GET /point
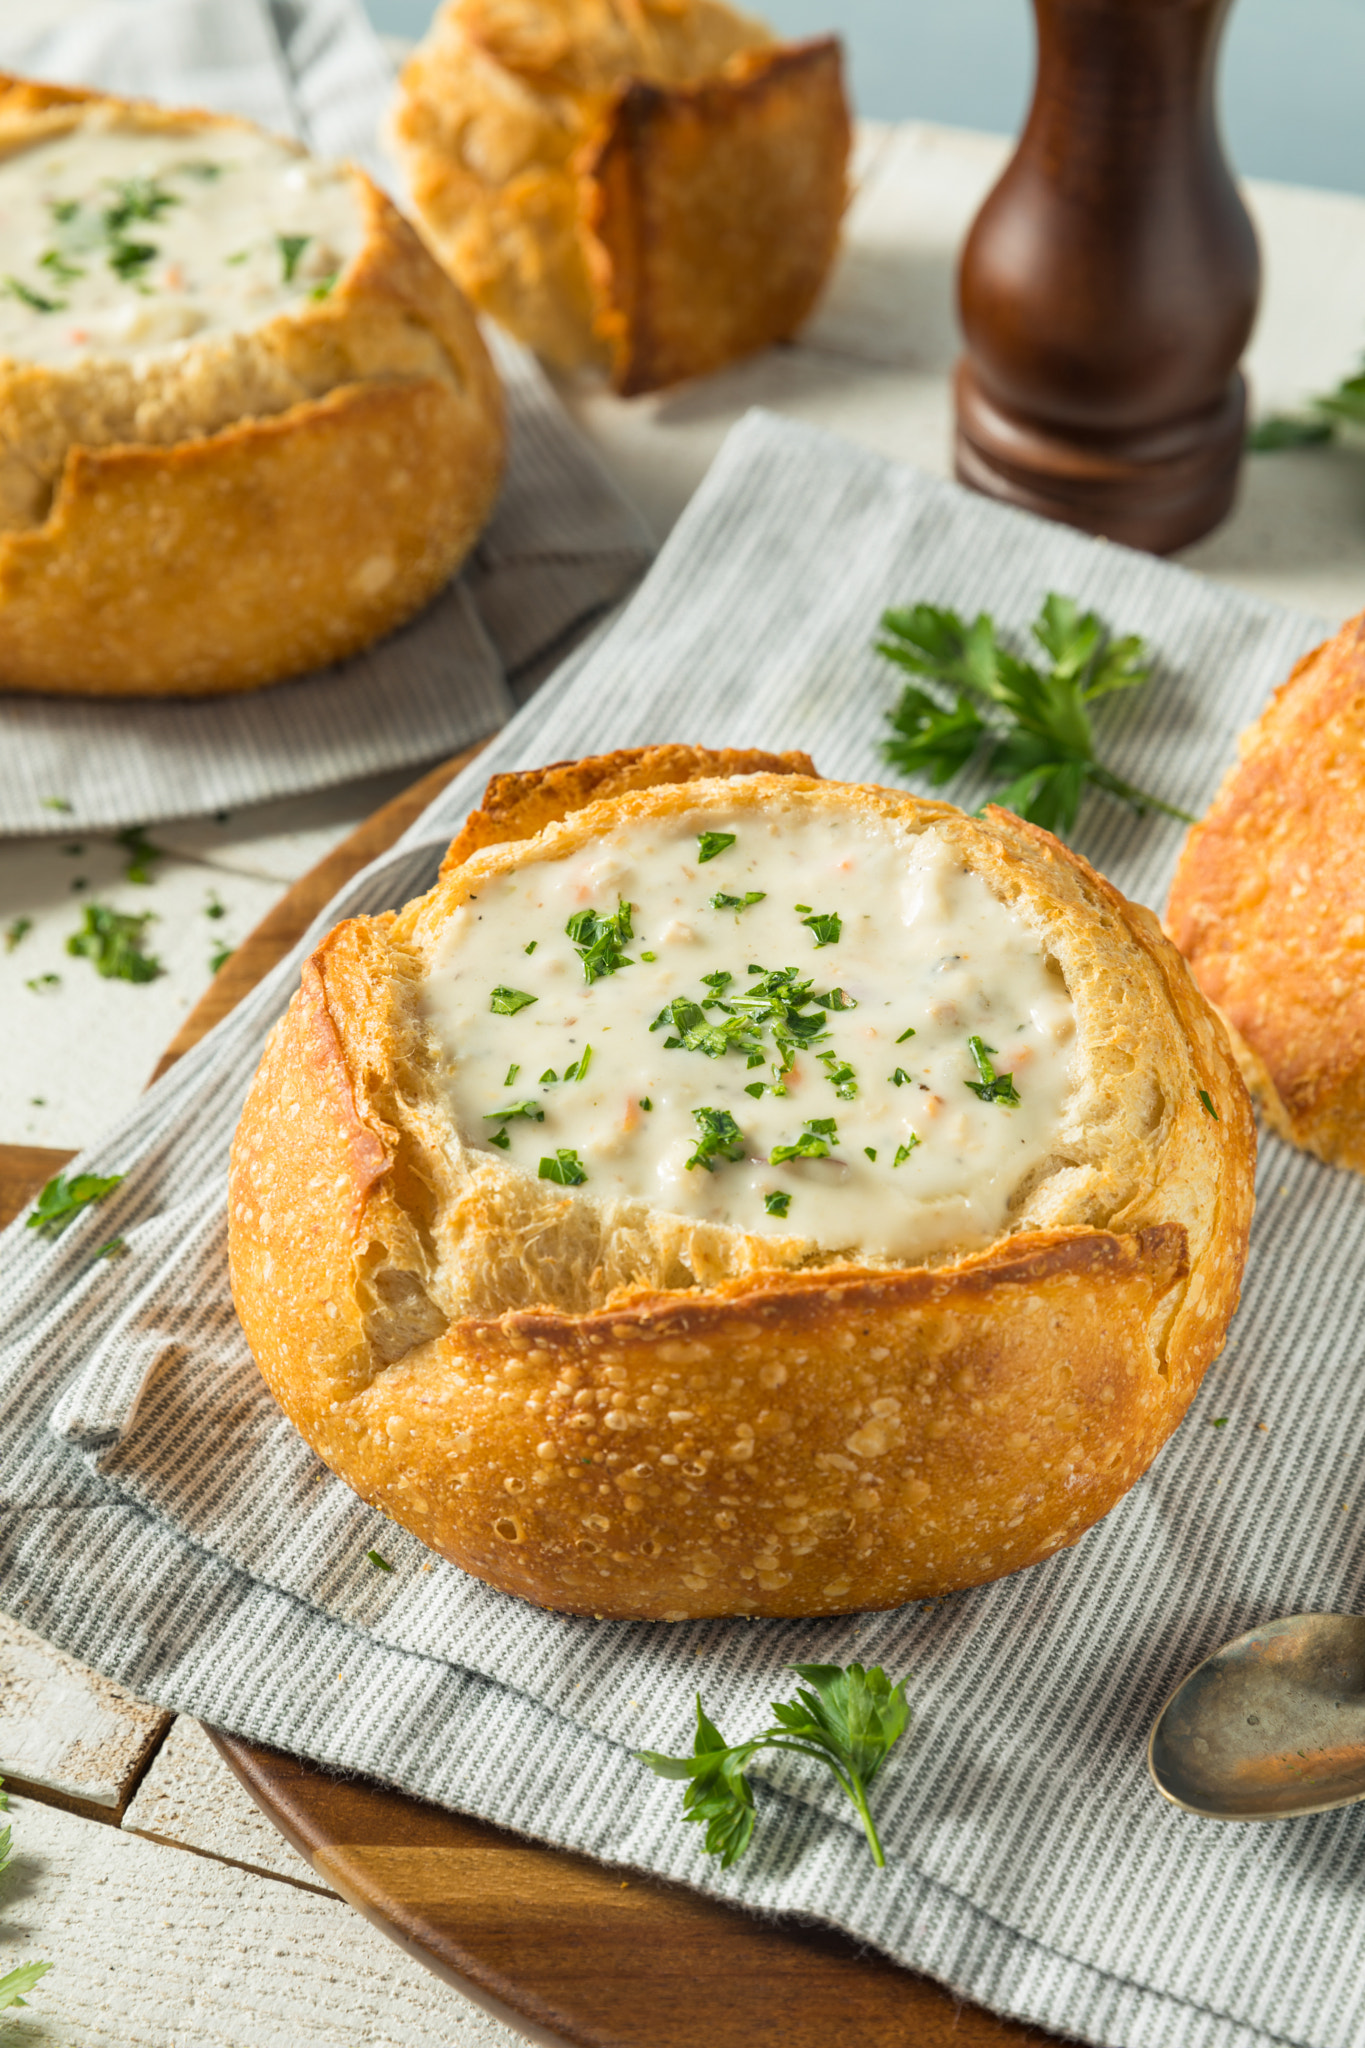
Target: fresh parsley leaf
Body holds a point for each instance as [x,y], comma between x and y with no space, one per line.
[200,167]
[720,901]
[64,272]
[531,1110]
[291,248]
[1288,430]
[600,941]
[39,982]
[564,1167]
[502,1139]
[127,259]
[817,1136]
[719,1137]
[531,947]
[645,1102]
[63,1199]
[505,1002]
[15,1982]
[1029,727]
[992,1087]
[578,1070]
[899,1078]
[903,1151]
[910,1033]
[841,1074]
[381,1564]
[35,301]
[1220,1422]
[214,907]
[325,286]
[16,931]
[871,1153]
[777,1202]
[57,803]
[1207,1101]
[548,1076]
[141,853]
[649,956]
[113,942]
[825,926]
[219,957]
[709,844]
[847,1719]
[510,1076]
[138,199]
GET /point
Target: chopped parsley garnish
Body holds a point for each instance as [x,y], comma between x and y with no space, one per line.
[836,999]
[578,1071]
[64,272]
[841,1075]
[651,957]
[826,927]
[291,248]
[548,1076]
[511,1075]
[200,167]
[62,1199]
[908,1033]
[112,1249]
[215,907]
[564,1167]
[600,941]
[505,1002]
[502,1139]
[903,1151]
[816,1138]
[113,942]
[532,947]
[64,210]
[645,1102]
[26,296]
[992,1087]
[533,1111]
[720,1137]
[240,256]
[871,1152]
[899,1078]
[709,844]
[127,259]
[17,930]
[776,1000]
[219,957]
[38,982]
[325,286]
[720,901]
[57,803]
[777,1202]
[1219,1422]
[138,199]
[141,853]
[381,1564]
[1207,1101]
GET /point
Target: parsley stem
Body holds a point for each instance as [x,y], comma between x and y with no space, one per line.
[1129,793]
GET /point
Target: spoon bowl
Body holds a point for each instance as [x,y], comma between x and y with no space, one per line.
[1270,1726]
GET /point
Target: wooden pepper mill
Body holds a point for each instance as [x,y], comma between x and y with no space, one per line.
[1109,283]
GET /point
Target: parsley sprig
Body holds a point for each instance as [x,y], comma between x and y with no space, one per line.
[1029,727]
[846,1719]
[114,942]
[62,1199]
[1343,406]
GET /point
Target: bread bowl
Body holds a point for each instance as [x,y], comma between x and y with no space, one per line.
[659,186]
[247,423]
[705,1399]
[1268,905]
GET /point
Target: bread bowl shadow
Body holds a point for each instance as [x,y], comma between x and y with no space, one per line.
[747,1426]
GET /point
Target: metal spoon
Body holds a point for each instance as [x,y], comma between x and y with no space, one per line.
[1270,1726]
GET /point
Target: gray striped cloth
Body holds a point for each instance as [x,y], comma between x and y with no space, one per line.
[163,1522]
[562,547]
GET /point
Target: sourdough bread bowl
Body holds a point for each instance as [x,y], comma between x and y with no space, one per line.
[730,1192]
[656,186]
[1268,902]
[247,423]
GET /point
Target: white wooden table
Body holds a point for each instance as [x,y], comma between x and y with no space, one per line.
[173,1913]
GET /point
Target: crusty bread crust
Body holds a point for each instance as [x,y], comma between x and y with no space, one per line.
[659,185]
[1268,905]
[612,1411]
[231,512]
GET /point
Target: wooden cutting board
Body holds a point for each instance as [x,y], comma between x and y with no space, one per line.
[561,1947]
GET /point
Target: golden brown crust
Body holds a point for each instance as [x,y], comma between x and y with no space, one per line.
[246,509]
[661,178]
[712,212]
[1268,907]
[768,1440]
[519,805]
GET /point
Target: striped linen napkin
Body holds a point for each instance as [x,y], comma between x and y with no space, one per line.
[163,1522]
[562,547]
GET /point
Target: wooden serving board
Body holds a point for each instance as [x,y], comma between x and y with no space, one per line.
[561,1947]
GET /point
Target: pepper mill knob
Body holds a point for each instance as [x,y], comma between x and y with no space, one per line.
[1109,283]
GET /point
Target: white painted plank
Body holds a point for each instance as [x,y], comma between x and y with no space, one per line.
[63,1726]
[190,1798]
[155,1947]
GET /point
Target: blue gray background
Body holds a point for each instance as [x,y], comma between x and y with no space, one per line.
[1292,78]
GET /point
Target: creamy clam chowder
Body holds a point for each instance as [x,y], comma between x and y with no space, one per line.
[115,240]
[806,1025]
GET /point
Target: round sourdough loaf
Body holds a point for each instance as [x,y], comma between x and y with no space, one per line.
[797,1381]
[247,423]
